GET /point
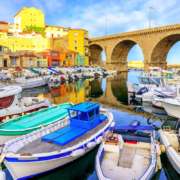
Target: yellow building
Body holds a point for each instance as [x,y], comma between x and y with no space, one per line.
[29,17]
[25,43]
[55,31]
[136,64]
[78,42]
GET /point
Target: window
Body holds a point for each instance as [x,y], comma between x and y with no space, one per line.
[97,110]
[75,47]
[91,114]
[13,61]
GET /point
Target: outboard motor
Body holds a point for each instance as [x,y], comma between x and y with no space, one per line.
[142,90]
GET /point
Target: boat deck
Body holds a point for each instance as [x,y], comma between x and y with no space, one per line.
[129,164]
[36,119]
[39,146]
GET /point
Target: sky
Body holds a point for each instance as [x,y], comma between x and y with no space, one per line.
[101,17]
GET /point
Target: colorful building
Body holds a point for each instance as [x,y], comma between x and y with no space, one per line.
[70,58]
[24,59]
[136,64]
[29,18]
[61,46]
[78,42]
[3,29]
[52,56]
[55,31]
[32,43]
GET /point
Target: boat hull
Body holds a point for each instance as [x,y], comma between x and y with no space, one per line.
[172,155]
[30,169]
[157,104]
[172,109]
[33,84]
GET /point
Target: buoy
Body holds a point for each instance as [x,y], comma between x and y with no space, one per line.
[99,139]
[78,152]
[91,144]
[162,148]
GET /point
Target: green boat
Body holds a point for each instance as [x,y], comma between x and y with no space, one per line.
[33,121]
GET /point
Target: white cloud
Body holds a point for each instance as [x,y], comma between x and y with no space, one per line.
[97,16]
[125,17]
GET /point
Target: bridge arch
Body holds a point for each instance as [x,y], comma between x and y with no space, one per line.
[161,49]
[119,53]
[96,52]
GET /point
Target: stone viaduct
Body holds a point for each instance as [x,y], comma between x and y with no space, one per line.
[154,42]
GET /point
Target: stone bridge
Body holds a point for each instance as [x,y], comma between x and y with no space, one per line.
[154,42]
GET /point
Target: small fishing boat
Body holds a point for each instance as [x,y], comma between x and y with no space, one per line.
[126,156]
[170,139]
[5,75]
[160,96]
[157,93]
[11,102]
[172,106]
[33,121]
[58,143]
[54,81]
[31,82]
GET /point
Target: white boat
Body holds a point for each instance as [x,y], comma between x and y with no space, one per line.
[124,158]
[5,75]
[31,82]
[146,85]
[11,102]
[155,95]
[54,81]
[172,106]
[157,102]
[170,139]
[57,144]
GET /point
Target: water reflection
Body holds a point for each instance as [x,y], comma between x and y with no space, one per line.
[95,88]
[110,90]
[119,88]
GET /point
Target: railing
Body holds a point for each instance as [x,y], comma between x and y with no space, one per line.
[15,144]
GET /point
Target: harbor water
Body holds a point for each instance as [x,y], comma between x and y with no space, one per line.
[112,92]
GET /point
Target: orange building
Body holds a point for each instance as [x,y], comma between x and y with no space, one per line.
[3,26]
[52,57]
[70,58]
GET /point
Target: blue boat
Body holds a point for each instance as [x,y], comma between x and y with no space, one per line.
[59,143]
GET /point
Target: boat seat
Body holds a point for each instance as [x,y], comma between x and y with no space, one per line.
[56,134]
[70,136]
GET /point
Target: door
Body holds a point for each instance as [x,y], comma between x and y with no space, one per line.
[5,63]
